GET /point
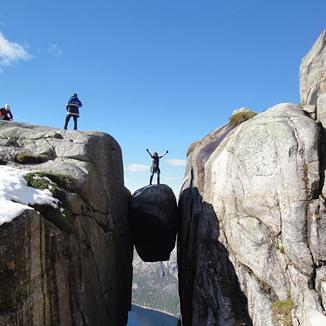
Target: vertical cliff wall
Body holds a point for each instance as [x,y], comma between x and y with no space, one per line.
[251,248]
[70,265]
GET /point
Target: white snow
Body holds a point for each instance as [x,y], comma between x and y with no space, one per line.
[15,195]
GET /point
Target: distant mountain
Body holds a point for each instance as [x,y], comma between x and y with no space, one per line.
[141,316]
[155,285]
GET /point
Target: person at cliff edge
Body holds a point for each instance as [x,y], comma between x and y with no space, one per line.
[72,108]
[155,168]
[5,113]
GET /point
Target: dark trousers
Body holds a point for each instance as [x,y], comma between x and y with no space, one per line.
[155,170]
[75,117]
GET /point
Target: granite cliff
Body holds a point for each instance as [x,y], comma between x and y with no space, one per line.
[251,247]
[69,265]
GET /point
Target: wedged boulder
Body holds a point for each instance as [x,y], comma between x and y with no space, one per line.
[154,222]
[253,223]
[69,265]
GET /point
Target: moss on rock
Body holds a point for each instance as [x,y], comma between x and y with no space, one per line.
[63,180]
[282,311]
[302,104]
[242,116]
[29,158]
[44,179]
[38,181]
[61,216]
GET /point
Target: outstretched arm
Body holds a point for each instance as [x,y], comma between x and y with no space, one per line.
[164,154]
[149,152]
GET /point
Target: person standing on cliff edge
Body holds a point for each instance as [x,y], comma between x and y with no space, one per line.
[155,168]
[5,113]
[72,108]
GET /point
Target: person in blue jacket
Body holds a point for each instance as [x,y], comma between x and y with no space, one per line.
[72,108]
[5,113]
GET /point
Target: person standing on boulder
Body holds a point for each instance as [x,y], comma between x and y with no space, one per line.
[155,168]
[5,113]
[72,108]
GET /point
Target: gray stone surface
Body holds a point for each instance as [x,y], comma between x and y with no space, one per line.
[313,72]
[253,214]
[79,274]
[321,108]
[310,111]
[208,285]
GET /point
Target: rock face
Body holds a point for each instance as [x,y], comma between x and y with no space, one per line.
[313,78]
[154,222]
[251,245]
[252,238]
[205,271]
[72,268]
[313,72]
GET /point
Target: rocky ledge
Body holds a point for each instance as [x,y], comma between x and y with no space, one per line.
[69,265]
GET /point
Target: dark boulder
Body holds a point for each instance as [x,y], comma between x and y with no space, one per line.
[154,222]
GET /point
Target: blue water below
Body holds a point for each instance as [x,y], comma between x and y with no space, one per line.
[140,316]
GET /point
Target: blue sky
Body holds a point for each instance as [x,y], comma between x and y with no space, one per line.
[155,74]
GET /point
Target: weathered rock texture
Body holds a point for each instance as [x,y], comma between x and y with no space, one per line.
[313,78]
[154,222]
[253,229]
[313,72]
[251,246]
[72,269]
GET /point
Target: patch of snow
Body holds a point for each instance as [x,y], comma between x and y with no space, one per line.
[15,195]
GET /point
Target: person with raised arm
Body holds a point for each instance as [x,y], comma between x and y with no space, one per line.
[155,168]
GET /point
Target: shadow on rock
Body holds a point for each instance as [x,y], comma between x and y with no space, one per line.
[208,285]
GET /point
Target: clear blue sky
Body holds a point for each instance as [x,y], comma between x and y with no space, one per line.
[152,73]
